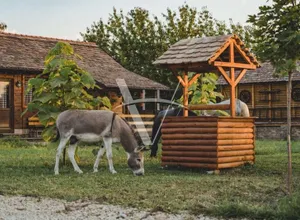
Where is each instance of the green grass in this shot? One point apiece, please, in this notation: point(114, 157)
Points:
point(256, 191)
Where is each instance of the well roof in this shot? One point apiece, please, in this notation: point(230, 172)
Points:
point(198, 50)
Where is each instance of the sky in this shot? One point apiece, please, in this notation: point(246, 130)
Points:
point(67, 18)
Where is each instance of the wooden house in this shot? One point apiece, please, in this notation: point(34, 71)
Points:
point(266, 97)
point(21, 58)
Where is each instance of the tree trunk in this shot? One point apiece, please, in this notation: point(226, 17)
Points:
point(289, 145)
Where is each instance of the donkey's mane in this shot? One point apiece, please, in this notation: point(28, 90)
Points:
point(135, 134)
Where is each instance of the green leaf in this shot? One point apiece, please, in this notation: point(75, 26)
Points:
point(46, 97)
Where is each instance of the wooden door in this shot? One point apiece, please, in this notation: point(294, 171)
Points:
point(6, 105)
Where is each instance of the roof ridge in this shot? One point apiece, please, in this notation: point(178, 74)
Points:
point(42, 38)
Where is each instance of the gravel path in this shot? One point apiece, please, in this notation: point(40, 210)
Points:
point(19, 207)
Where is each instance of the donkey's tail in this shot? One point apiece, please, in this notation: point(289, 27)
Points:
point(57, 136)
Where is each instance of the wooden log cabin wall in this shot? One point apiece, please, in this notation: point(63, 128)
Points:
point(22, 57)
point(208, 142)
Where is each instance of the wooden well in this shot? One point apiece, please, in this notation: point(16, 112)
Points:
point(208, 142)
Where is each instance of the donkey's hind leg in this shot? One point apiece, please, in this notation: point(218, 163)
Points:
point(71, 153)
point(107, 143)
point(61, 146)
point(99, 156)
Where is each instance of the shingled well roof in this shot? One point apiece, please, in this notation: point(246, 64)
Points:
point(196, 50)
point(27, 53)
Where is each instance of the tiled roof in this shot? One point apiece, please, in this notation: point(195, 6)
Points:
point(263, 74)
point(197, 50)
point(24, 52)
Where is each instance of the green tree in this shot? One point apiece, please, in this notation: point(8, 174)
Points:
point(135, 40)
point(277, 40)
point(62, 85)
point(3, 26)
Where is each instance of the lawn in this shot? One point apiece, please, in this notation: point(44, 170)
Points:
point(257, 191)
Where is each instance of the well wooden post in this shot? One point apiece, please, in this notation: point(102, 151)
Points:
point(185, 94)
point(232, 76)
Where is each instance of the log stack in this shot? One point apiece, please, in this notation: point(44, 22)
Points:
point(208, 142)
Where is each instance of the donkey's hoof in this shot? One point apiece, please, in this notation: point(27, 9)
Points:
point(79, 171)
point(95, 171)
point(113, 171)
point(56, 173)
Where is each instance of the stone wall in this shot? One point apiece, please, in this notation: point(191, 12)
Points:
point(277, 132)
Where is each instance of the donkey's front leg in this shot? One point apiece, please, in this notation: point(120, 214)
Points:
point(61, 146)
point(71, 153)
point(99, 156)
point(107, 143)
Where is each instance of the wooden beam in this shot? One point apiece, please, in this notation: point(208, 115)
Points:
point(185, 94)
point(182, 82)
point(195, 77)
point(210, 107)
point(218, 53)
point(244, 55)
point(178, 77)
point(235, 65)
point(224, 74)
point(241, 74)
point(232, 77)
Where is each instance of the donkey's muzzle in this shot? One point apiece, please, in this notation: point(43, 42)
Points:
point(139, 174)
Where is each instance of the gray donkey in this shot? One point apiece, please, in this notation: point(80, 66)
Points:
point(92, 126)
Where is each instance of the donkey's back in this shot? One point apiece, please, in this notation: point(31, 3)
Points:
point(78, 122)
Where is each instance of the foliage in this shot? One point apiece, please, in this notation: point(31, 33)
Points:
point(3, 26)
point(251, 192)
point(203, 90)
point(277, 34)
point(62, 85)
point(136, 40)
point(277, 40)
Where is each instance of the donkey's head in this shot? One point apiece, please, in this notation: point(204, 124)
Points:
point(136, 161)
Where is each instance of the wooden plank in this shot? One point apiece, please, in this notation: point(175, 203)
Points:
point(210, 107)
point(235, 125)
point(191, 142)
point(235, 153)
point(235, 159)
point(190, 130)
point(189, 148)
point(235, 65)
point(230, 165)
point(236, 119)
point(189, 136)
point(240, 76)
point(190, 159)
point(190, 119)
point(140, 122)
point(195, 77)
point(190, 153)
point(235, 147)
point(235, 142)
point(186, 94)
point(190, 124)
point(190, 165)
point(135, 116)
point(224, 74)
point(235, 136)
point(234, 130)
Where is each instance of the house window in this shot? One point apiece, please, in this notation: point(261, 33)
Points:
point(245, 96)
point(296, 94)
point(4, 94)
point(28, 96)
